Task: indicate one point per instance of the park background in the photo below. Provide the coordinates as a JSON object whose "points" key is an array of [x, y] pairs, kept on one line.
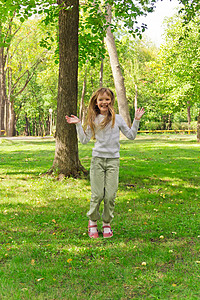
{"points": [[45, 252], [164, 79]]}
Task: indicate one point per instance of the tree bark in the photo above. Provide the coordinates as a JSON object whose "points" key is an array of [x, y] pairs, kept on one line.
{"points": [[188, 114], [136, 97], [198, 128], [3, 95], [27, 126], [66, 161], [169, 125], [116, 70], [11, 120], [82, 104]]}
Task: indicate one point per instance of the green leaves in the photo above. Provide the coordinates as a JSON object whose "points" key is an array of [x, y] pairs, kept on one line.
{"points": [[190, 10]]}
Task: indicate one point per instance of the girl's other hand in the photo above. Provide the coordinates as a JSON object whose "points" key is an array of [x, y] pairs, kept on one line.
{"points": [[139, 113], [72, 120]]}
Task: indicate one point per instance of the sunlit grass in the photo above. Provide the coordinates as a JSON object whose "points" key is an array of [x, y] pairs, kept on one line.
{"points": [[155, 252]]}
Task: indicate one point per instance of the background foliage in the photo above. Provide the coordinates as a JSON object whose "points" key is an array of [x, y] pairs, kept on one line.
{"points": [[167, 79]]}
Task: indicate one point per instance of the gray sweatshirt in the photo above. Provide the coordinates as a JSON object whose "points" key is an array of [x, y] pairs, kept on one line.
{"points": [[107, 139]]}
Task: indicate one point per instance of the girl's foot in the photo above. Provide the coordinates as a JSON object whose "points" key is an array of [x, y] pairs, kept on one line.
{"points": [[92, 229], [107, 231]]}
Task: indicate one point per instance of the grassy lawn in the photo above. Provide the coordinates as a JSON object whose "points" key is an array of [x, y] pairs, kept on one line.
{"points": [[45, 252]]}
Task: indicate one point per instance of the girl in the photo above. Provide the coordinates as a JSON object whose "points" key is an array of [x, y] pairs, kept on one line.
{"points": [[105, 126]]}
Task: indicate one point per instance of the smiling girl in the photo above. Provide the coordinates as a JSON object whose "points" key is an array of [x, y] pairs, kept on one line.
{"points": [[105, 126]]}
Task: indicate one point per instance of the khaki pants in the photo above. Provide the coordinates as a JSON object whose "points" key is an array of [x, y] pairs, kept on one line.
{"points": [[104, 178]]}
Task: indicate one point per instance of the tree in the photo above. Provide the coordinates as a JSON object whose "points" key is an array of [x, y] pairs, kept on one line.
{"points": [[32, 105], [134, 57], [12, 15], [66, 156], [109, 14], [116, 70], [180, 72], [66, 160]]}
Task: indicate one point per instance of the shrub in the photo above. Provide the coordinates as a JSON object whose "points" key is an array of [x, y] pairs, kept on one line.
{"points": [[184, 126]]}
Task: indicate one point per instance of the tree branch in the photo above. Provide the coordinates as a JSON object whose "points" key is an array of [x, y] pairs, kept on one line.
{"points": [[29, 77]]}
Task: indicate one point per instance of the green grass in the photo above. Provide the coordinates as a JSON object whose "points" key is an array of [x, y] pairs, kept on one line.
{"points": [[45, 252]]}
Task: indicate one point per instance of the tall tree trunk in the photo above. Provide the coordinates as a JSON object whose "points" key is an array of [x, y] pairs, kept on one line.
{"points": [[136, 97], [40, 126], [188, 114], [35, 127], [1, 85], [169, 125], [66, 161], [92, 81], [10, 113], [116, 70], [2, 90], [27, 126], [11, 121], [82, 104], [198, 128]]}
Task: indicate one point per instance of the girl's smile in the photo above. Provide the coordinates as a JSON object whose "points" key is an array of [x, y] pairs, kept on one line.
{"points": [[102, 102]]}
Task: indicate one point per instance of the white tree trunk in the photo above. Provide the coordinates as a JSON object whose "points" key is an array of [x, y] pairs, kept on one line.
{"points": [[11, 120], [116, 71]]}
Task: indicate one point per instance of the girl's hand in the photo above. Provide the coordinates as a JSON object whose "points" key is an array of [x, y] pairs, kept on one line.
{"points": [[139, 113], [72, 120]]}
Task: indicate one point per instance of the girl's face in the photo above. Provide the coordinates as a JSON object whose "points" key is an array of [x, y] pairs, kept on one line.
{"points": [[103, 100]]}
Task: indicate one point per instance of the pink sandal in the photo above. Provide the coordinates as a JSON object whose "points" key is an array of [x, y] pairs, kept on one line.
{"points": [[109, 234], [93, 235]]}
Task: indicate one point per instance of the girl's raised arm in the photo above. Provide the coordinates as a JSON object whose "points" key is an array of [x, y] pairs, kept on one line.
{"points": [[131, 133], [72, 120], [139, 113], [84, 137]]}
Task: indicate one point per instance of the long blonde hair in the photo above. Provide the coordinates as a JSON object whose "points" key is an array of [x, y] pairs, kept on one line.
{"points": [[93, 110]]}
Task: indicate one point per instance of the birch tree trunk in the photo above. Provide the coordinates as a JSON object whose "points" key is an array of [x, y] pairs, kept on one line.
{"points": [[66, 161], [11, 120], [116, 71]]}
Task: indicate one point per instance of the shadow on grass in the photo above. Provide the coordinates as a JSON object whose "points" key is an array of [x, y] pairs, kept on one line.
{"points": [[164, 161], [26, 162]]}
